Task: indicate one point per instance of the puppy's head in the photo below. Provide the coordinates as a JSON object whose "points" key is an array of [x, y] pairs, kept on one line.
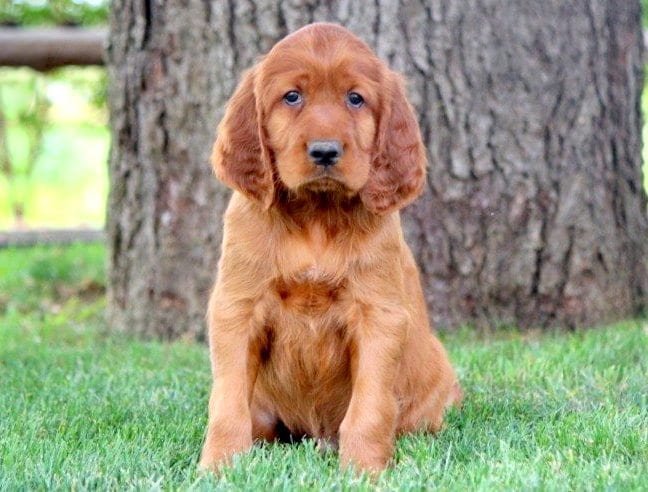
{"points": [[321, 113]]}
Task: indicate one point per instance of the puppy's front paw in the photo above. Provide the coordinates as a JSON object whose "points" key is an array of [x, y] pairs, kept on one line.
{"points": [[220, 446], [364, 454]]}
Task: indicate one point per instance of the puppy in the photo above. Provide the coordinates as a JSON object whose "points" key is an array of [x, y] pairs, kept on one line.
{"points": [[317, 321]]}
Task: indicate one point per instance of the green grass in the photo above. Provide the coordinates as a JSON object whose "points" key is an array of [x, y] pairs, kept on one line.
{"points": [[39, 281], [85, 409]]}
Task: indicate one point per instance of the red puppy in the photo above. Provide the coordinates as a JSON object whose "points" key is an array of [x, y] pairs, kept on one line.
{"points": [[317, 320]]}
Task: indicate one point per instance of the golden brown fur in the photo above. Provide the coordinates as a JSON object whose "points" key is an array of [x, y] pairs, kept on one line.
{"points": [[317, 320]]}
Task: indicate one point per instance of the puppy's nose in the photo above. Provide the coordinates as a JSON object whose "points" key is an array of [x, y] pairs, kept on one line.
{"points": [[324, 152]]}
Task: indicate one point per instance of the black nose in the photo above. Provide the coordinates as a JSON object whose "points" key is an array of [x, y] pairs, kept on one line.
{"points": [[324, 152]]}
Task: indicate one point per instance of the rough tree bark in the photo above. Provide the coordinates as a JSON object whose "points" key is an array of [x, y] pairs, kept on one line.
{"points": [[534, 212]]}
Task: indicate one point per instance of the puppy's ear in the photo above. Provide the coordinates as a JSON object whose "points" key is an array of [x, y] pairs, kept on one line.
{"points": [[398, 169], [240, 157]]}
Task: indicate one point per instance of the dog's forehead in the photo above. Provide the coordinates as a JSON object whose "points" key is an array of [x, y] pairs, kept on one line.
{"points": [[321, 36], [320, 50], [334, 69], [323, 43]]}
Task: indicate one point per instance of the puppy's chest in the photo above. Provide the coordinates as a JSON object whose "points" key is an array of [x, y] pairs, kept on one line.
{"points": [[311, 277], [310, 292]]}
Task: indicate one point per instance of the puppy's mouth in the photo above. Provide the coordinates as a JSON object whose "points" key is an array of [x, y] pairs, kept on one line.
{"points": [[326, 182]]}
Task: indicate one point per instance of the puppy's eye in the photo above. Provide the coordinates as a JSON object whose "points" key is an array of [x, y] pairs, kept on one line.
{"points": [[292, 98], [355, 100]]}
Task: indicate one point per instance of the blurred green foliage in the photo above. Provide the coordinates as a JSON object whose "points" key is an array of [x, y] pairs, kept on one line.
{"points": [[21, 136], [54, 143], [56, 12]]}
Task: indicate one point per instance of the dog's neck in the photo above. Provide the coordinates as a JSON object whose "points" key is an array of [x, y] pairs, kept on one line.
{"points": [[334, 212]]}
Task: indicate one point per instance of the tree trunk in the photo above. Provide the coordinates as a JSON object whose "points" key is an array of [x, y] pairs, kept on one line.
{"points": [[170, 73], [534, 213]]}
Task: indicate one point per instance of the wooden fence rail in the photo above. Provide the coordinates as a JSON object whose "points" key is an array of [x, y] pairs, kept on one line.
{"points": [[46, 48], [13, 239]]}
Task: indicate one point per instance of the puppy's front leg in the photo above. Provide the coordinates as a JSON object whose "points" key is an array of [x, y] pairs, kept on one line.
{"points": [[234, 368], [367, 431]]}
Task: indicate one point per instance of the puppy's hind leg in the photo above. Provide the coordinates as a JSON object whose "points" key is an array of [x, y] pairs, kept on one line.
{"points": [[431, 389], [428, 415]]}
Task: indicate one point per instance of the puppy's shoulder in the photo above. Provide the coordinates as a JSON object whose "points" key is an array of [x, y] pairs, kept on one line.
{"points": [[244, 224]]}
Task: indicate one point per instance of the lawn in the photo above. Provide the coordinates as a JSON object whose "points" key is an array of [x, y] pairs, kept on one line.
{"points": [[82, 408]]}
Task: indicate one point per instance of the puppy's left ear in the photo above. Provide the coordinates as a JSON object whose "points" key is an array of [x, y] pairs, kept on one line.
{"points": [[398, 169]]}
